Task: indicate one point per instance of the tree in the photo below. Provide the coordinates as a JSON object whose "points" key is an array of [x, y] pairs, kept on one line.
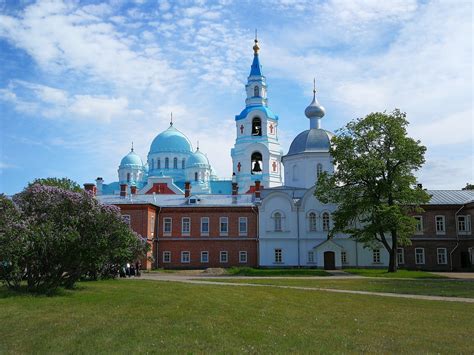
{"points": [[374, 186], [468, 187], [63, 183]]}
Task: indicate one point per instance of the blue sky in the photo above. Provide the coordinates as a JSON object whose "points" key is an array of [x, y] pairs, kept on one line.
{"points": [[81, 80]]}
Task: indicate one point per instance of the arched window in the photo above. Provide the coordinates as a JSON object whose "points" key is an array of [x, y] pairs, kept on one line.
{"points": [[152, 164], [277, 221], [196, 176], [167, 163], [256, 91], [158, 163], [312, 221], [325, 221], [319, 170], [183, 163], [175, 163], [256, 126], [128, 177], [295, 172], [256, 163]]}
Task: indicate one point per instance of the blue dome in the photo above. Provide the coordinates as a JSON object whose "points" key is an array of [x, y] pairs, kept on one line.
{"points": [[311, 140], [197, 159], [171, 140], [131, 159]]}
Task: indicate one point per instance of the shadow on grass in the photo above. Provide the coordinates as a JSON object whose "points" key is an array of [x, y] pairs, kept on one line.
{"points": [[23, 291]]}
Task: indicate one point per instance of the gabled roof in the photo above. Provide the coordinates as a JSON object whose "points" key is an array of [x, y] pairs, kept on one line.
{"points": [[450, 197]]}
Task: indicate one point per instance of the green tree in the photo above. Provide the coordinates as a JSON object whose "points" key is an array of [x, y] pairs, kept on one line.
{"points": [[63, 183], [373, 185], [468, 186]]}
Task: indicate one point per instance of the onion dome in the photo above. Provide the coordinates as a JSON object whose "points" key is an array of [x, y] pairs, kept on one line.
{"points": [[197, 159], [131, 160], [314, 110], [171, 140], [312, 140]]}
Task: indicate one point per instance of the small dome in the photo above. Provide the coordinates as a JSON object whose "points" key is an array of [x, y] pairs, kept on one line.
{"points": [[197, 159], [311, 140], [171, 140], [131, 160], [314, 110]]}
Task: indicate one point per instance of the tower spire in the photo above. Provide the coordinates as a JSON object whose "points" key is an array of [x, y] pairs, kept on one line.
{"points": [[197, 147], [171, 119], [132, 147], [315, 111], [256, 48]]}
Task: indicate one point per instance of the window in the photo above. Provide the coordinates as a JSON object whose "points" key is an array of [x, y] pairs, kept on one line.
{"points": [[167, 224], [152, 164], [464, 224], [242, 257], [278, 256], [183, 163], [126, 218], [310, 257], [440, 225], [256, 163], [167, 163], [325, 221], [295, 173], [242, 225], [166, 256], [204, 225], [196, 176], [158, 163], [400, 256], [256, 91], [204, 257], [419, 256], [256, 127], [419, 225], [223, 257], [442, 255], [277, 221], [185, 225], [175, 163], [128, 177], [343, 257], [185, 257], [312, 222], [376, 256], [319, 170], [223, 225]]}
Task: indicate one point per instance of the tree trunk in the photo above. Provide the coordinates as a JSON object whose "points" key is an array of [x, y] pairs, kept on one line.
{"points": [[392, 266]]}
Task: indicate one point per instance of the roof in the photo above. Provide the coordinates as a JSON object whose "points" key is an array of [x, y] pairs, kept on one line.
{"points": [[256, 68], [269, 113], [171, 140], [197, 158], [450, 197], [131, 160], [311, 140], [180, 200]]}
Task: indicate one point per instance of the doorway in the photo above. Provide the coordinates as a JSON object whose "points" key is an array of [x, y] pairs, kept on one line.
{"points": [[329, 260]]}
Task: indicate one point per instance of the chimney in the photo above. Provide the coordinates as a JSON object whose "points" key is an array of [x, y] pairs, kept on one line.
{"points": [[123, 190], [420, 186], [133, 189], [257, 189], [187, 189], [98, 182], [89, 187], [235, 186]]}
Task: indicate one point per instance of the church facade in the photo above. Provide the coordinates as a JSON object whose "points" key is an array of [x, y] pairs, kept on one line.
{"points": [[262, 217]]}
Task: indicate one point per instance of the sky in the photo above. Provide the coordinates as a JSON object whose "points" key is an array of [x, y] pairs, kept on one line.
{"points": [[81, 80]]}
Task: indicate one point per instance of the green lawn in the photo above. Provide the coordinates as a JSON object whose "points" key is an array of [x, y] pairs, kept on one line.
{"points": [[447, 288], [399, 274], [137, 316], [248, 271]]}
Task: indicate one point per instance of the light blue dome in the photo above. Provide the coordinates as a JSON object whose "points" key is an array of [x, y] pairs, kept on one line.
{"points": [[197, 159], [131, 160], [311, 140], [171, 140]]}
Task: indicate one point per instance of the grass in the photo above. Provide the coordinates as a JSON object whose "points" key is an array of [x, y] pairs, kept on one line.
{"points": [[248, 271], [137, 316], [399, 274], [446, 288]]}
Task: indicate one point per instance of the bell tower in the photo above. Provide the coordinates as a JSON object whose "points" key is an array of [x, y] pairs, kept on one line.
{"points": [[257, 153]]}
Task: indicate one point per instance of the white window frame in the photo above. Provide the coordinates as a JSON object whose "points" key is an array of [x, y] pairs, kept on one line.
{"points": [[165, 221], [443, 230], [311, 257], [223, 256], [442, 252], [343, 257], [183, 259], [400, 256], [184, 221], [312, 224], [243, 220], [467, 224], [204, 252], [205, 233], [243, 257], [376, 256], [328, 227], [166, 257], [277, 221], [278, 256], [422, 255], [224, 221], [127, 219], [419, 225]]}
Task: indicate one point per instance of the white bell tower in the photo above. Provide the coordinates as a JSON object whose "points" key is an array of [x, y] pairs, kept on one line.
{"points": [[257, 153]]}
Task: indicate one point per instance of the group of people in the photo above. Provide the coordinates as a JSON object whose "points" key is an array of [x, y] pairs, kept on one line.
{"points": [[131, 270]]}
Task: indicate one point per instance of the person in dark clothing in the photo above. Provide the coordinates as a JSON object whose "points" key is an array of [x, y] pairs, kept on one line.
{"points": [[137, 268]]}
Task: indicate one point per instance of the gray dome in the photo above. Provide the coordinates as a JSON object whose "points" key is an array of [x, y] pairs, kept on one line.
{"points": [[311, 140], [314, 109]]}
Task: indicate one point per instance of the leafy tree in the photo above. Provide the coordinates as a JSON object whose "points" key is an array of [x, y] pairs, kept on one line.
{"points": [[63, 183], [374, 186], [468, 187]]}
